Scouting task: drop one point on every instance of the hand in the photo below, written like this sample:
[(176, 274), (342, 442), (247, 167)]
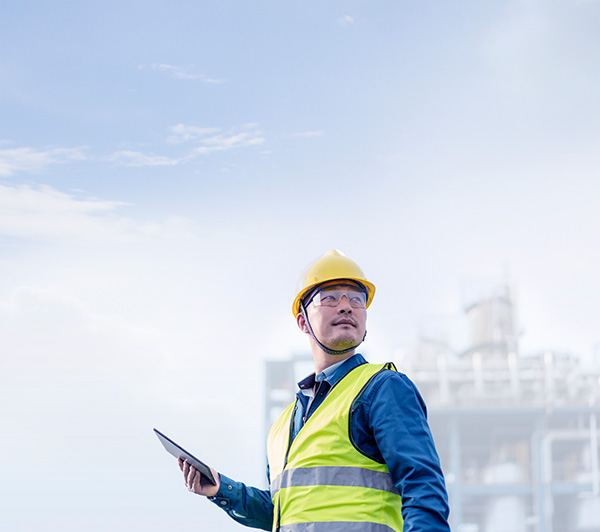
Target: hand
[(194, 481)]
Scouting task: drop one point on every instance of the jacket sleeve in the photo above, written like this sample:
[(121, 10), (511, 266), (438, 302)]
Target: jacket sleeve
[(390, 424), (247, 505)]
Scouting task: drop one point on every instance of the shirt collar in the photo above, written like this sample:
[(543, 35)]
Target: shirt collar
[(333, 373)]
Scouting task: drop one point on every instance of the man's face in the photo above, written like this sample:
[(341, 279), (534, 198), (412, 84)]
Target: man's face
[(340, 325)]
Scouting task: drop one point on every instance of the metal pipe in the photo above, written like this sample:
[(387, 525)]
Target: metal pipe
[(442, 363), (513, 368), (594, 455), (546, 448), (478, 373), (456, 516), (549, 376), (537, 478), (547, 470)]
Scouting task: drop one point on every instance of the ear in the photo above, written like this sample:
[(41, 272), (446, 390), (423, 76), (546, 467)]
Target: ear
[(301, 322)]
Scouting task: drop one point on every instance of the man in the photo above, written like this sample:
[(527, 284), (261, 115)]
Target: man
[(354, 452)]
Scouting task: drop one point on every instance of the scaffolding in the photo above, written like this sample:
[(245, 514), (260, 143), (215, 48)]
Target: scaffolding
[(517, 435)]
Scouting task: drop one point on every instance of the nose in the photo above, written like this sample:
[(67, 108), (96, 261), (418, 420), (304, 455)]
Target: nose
[(344, 304)]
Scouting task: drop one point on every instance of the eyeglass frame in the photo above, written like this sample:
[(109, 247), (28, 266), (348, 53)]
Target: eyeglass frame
[(349, 285)]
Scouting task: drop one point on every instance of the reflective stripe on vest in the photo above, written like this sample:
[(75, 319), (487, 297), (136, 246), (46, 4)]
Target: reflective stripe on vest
[(334, 476), (336, 526), (321, 482)]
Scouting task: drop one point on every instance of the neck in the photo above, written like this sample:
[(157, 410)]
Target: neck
[(323, 360)]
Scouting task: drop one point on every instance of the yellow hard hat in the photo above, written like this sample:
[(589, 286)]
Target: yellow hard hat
[(330, 266)]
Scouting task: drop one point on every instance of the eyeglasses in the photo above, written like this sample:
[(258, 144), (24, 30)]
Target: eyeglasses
[(331, 297)]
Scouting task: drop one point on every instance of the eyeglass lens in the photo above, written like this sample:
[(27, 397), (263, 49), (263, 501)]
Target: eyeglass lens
[(331, 297)]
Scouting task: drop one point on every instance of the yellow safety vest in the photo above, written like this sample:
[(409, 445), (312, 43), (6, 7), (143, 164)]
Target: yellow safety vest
[(322, 482)]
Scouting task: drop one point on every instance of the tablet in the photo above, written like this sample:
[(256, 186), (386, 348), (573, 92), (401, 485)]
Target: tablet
[(180, 452)]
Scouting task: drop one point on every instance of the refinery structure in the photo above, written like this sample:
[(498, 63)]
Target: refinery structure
[(518, 435)]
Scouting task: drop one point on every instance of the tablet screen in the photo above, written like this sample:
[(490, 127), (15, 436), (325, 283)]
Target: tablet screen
[(179, 452)]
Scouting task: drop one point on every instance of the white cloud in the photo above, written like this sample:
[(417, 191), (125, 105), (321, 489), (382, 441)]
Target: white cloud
[(44, 212), (14, 160), (138, 159), (346, 20), (183, 133), (179, 72), (207, 140), (210, 139), (214, 139), (230, 140)]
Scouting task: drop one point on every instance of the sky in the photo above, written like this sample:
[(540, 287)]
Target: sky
[(167, 170)]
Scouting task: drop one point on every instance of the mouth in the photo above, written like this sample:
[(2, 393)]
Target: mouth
[(345, 321)]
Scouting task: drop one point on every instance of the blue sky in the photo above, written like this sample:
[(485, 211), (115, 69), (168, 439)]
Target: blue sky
[(167, 169)]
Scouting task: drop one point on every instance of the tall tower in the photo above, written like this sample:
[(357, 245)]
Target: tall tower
[(493, 329)]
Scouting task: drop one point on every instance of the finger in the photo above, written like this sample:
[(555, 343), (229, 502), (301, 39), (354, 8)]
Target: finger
[(196, 486), (186, 468), (180, 462), (190, 477), (186, 474)]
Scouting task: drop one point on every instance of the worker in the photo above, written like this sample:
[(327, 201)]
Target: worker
[(353, 452)]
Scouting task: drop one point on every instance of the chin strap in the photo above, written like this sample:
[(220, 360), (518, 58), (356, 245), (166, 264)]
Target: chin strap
[(323, 347)]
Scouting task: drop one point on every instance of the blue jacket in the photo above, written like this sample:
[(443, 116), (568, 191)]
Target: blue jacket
[(389, 424)]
